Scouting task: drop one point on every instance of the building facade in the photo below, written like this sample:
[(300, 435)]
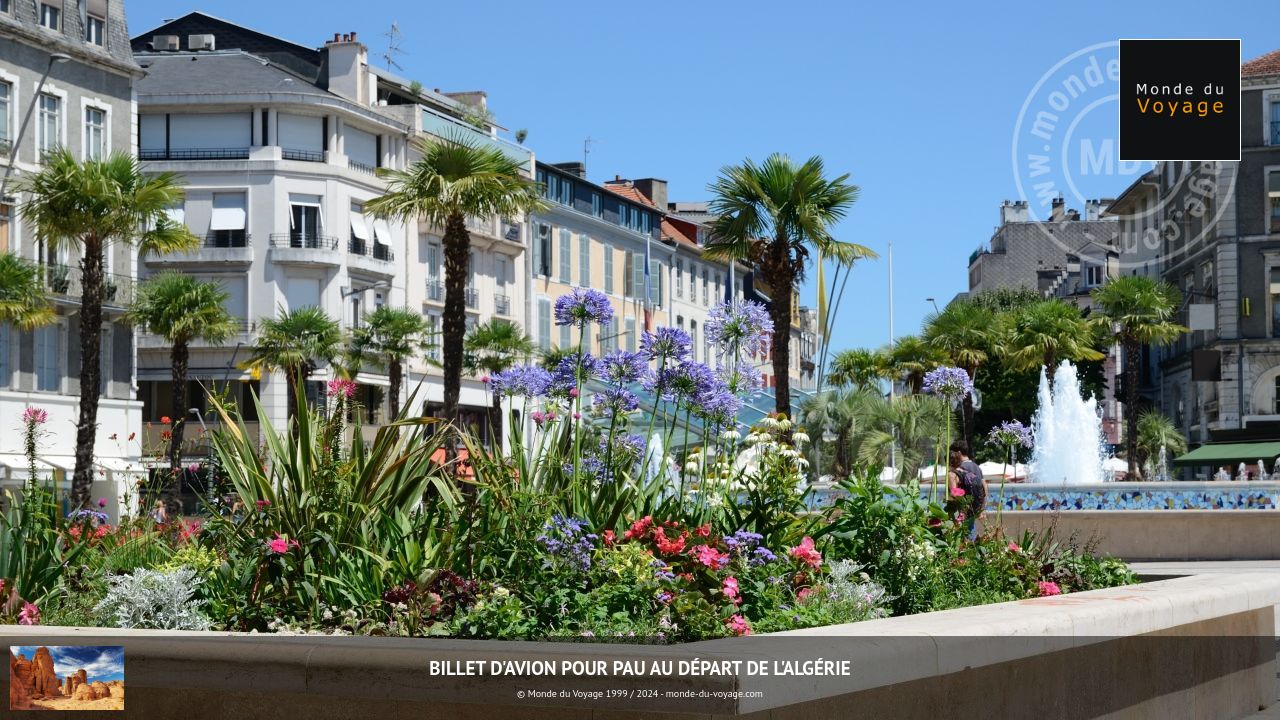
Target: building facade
[(1213, 230), (66, 81)]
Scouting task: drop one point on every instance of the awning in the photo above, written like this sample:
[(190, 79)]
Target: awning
[(358, 228), (119, 465), (1230, 453), (19, 462), (62, 462), (382, 231), (228, 212)]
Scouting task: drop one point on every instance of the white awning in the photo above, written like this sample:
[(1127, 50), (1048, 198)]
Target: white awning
[(19, 462), (371, 379), (358, 227), (228, 212), (62, 462), (119, 465), (382, 231)]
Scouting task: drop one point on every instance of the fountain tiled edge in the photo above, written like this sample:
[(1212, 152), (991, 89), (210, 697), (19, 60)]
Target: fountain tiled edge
[(1113, 496)]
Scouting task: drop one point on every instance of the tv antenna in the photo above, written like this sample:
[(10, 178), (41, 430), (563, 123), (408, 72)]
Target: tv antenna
[(393, 37), (586, 148)]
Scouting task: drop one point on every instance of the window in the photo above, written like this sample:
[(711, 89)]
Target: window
[(1093, 275), (433, 336), (719, 289), (95, 133), (6, 213), (544, 324), (1275, 302), (50, 125), (693, 337), (542, 252), (705, 294), (566, 245), (558, 189), (48, 368), (305, 221), (608, 269), (6, 98), (584, 261), (4, 6), (500, 273), (679, 278), (228, 222), (1275, 122), (104, 363), (1206, 276), (597, 208), (95, 23), (1276, 409), (51, 15), (1273, 198)]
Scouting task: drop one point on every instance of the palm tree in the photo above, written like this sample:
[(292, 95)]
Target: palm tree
[(858, 368), (1045, 334), (911, 357), (770, 215), (452, 180), (1156, 431), (839, 419), (181, 308), (491, 348), (964, 332), (22, 298), (908, 426), (90, 207), (295, 342), (394, 334), (1138, 311)]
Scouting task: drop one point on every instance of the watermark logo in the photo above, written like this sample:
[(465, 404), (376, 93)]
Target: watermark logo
[(1065, 157)]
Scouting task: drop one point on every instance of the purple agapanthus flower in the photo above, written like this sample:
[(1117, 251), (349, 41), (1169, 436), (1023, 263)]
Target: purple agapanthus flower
[(742, 326), (685, 381), (1010, 433), (529, 381), (951, 383), (629, 446), (573, 372), (717, 407), (583, 306), (615, 400), (622, 367), (744, 379), (667, 345)]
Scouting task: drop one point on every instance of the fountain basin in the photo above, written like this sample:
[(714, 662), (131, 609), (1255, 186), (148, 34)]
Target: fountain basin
[(1111, 496)]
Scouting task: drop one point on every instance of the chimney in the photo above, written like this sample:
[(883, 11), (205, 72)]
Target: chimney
[(1012, 212), (654, 189), (1059, 210), (577, 168), (348, 67)]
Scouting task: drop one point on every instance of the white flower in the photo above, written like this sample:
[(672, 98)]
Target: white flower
[(800, 438), (730, 435)]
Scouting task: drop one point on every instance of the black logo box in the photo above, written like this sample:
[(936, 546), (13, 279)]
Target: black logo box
[(1187, 68)]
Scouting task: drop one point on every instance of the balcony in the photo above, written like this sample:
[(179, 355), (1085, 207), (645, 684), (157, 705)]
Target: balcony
[(243, 332), (361, 167), (303, 155), (220, 246), (370, 257), (502, 305), (511, 231), (63, 282), (435, 291), (240, 153), (299, 248), (473, 298)]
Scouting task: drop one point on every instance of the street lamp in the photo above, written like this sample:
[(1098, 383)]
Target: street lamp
[(54, 59), (935, 305), (380, 285)]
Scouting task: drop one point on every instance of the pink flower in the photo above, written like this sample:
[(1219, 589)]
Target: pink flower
[(262, 503), (738, 625), (341, 387), (804, 594), (35, 416), (485, 379), (193, 468), (538, 416), (710, 557), (807, 554), (577, 416), (1048, 588), (960, 517), (957, 492), (30, 614), (1013, 547), (279, 545), (573, 392), (102, 502), (731, 590)]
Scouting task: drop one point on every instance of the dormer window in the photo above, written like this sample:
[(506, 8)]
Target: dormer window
[(51, 14), (1094, 275)]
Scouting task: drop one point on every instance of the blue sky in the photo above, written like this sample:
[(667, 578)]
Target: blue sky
[(918, 102), (100, 662)]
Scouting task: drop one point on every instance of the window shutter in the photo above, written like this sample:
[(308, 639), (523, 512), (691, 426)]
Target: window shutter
[(566, 338), (608, 269), (586, 338), (631, 334), (655, 288), (637, 281), (544, 323), (584, 260), (537, 256), (566, 245), (627, 276)]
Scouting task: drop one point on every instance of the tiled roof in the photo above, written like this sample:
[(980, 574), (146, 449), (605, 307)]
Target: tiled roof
[(1268, 64), (670, 230), (629, 192)]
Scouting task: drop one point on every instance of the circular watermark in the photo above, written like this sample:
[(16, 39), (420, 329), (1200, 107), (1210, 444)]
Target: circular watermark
[(1066, 158)]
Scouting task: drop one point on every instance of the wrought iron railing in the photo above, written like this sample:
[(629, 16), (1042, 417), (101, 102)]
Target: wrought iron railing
[(375, 250), (473, 298), (435, 290), (501, 305), (66, 282), (304, 155), (226, 239), (310, 241), (360, 167), (195, 154)]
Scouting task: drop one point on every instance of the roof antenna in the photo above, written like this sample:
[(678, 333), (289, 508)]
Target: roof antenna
[(586, 148), (393, 37)]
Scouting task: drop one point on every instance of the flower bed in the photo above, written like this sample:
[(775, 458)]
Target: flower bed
[(593, 526)]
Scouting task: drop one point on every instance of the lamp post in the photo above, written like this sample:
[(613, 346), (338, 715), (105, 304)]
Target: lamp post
[(935, 305), (54, 59)]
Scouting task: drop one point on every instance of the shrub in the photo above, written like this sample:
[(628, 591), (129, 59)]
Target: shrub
[(154, 600)]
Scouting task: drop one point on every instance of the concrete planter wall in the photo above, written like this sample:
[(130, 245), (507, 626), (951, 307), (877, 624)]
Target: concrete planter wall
[(1196, 647), (1158, 534)]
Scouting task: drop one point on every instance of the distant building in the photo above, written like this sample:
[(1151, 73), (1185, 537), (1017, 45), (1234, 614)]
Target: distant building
[(66, 81)]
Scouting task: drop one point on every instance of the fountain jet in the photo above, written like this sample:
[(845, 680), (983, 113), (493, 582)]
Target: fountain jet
[(1068, 433)]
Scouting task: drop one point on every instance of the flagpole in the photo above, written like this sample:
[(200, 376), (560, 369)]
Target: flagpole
[(893, 445)]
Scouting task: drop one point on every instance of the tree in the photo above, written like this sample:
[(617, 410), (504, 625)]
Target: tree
[(295, 342), (1045, 334), (89, 207), (858, 368), (911, 357), (1156, 431), (491, 348), (838, 420), (1138, 311), (452, 180), (770, 215), (908, 427), (964, 331), (394, 335), (181, 308), (22, 298)]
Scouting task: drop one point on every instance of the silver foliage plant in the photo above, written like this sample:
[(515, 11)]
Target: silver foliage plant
[(153, 599), (848, 584)]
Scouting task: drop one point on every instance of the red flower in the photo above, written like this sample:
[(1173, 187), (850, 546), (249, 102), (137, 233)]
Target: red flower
[(673, 546), (1047, 588), (608, 538), (279, 545), (132, 435), (704, 531), (934, 522), (165, 420), (805, 553), (639, 528)]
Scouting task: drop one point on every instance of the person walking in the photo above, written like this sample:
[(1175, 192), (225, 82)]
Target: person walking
[(966, 485)]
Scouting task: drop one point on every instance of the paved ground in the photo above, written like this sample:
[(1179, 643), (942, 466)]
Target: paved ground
[(1219, 566)]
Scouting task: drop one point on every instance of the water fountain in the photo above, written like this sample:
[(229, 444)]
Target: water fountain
[(1240, 473), (1162, 470), (1068, 433), (1262, 471)]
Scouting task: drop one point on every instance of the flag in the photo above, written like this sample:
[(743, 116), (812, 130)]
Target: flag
[(822, 301)]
